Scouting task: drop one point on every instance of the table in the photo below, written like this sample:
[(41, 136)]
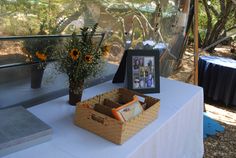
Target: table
[(217, 76), (177, 133)]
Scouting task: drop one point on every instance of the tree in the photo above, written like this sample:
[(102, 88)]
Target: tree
[(25, 17), (218, 18)]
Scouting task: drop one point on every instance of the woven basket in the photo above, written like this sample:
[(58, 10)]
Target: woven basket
[(110, 128)]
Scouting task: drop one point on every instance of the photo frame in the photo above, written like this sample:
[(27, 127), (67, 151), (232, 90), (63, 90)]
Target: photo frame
[(142, 71)]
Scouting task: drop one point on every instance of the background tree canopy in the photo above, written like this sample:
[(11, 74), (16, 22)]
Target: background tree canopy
[(217, 19), (24, 17), (163, 21)]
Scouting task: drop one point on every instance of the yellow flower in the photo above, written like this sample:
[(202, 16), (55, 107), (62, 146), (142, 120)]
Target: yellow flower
[(41, 56), (74, 54), (89, 58)]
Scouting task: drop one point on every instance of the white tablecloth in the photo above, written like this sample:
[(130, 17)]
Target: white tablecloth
[(177, 133)]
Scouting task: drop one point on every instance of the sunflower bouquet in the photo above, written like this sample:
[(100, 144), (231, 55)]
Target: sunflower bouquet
[(80, 59), (39, 50), (35, 54)]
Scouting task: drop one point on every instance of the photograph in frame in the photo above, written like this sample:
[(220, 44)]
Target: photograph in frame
[(143, 71)]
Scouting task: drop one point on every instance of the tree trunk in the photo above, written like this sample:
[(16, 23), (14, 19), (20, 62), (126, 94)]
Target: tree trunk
[(213, 33)]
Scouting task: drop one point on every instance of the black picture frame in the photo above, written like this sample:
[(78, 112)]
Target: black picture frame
[(142, 71)]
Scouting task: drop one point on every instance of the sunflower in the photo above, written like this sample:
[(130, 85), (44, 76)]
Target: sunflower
[(41, 56), (74, 54), (88, 58)]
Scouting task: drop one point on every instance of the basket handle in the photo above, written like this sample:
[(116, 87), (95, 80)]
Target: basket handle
[(98, 119)]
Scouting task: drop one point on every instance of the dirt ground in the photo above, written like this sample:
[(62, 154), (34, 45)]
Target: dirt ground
[(10, 52), (222, 145)]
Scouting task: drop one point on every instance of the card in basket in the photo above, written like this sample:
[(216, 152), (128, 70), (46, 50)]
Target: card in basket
[(128, 110)]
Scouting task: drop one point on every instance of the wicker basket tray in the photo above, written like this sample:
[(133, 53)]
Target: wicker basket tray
[(110, 128)]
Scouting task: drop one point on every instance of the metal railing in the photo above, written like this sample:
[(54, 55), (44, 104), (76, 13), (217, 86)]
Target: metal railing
[(13, 38)]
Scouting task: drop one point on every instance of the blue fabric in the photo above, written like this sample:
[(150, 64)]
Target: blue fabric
[(211, 127), (226, 62), (217, 76)]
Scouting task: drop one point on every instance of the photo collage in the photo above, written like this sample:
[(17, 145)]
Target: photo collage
[(143, 72)]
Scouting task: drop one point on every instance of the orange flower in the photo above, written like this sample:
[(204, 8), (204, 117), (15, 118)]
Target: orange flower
[(89, 58), (41, 56), (74, 54)]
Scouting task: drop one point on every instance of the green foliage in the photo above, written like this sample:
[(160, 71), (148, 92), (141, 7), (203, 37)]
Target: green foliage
[(215, 20), (27, 16), (40, 49), (80, 57), (40, 45)]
